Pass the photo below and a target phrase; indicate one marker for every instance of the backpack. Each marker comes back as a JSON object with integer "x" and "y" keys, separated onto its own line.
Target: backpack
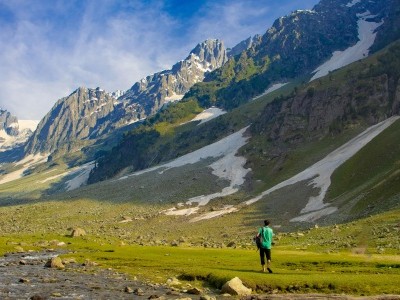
{"x": 258, "y": 239}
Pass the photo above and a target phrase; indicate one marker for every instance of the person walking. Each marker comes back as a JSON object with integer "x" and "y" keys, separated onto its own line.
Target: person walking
{"x": 266, "y": 234}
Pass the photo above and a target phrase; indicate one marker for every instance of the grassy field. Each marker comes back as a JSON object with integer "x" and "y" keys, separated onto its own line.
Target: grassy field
{"x": 295, "y": 271}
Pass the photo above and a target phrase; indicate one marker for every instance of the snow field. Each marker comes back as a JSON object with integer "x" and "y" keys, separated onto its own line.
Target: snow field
{"x": 366, "y": 36}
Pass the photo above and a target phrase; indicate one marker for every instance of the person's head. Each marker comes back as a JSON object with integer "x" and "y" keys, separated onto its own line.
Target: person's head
{"x": 266, "y": 222}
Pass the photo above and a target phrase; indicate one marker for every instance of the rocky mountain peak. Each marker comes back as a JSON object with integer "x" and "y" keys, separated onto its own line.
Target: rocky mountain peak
{"x": 211, "y": 51}
{"x": 8, "y": 123}
{"x": 84, "y": 114}
{"x": 149, "y": 94}
{"x": 244, "y": 45}
{"x": 12, "y": 134}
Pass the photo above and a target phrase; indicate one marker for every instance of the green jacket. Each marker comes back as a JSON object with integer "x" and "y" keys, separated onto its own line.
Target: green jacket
{"x": 266, "y": 234}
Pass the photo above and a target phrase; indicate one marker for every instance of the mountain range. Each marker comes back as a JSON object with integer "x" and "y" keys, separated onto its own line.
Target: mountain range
{"x": 283, "y": 102}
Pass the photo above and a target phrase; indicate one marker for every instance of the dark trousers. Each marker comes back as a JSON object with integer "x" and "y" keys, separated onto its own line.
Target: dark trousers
{"x": 265, "y": 253}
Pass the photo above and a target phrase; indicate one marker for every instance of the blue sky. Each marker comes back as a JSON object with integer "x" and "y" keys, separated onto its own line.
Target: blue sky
{"x": 48, "y": 48}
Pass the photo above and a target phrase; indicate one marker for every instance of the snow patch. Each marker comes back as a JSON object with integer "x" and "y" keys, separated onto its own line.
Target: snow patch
{"x": 26, "y": 163}
{"x": 213, "y": 214}
{"x": 81, "y": 177}
{"x": 352, "y": 3}
{"x": 54, "y": 177}
{"x": 173, "y": 98}
{"x": 228, "y": 166}
{"x": 366, "y": 36}
{"x": 28, "y": 124}
{"x": 321, "y": 172}
{"x": 208, "y": 114}
{"x": 274, "y": 87}
{"x": 182, "y": 212}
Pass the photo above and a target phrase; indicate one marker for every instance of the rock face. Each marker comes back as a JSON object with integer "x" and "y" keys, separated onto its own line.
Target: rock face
{"x": 152, "y": 92}
{"x": 90, "y": 113}
{"x": 235, "y": 287}
{"x": 84, "y": 114}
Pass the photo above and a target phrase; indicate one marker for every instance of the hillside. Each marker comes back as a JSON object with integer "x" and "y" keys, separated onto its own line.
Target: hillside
{"x": 296, "y": 45}
{"x": 306, "y": 113}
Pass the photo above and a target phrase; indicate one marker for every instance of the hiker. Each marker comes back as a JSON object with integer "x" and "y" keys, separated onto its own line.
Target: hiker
{"x": 266, "y": 234}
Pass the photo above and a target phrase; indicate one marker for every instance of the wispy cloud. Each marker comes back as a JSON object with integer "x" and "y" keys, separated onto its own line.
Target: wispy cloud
{"x": 49, "y": 48}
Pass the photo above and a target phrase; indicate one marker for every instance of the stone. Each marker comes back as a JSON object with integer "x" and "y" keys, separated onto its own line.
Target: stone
{"x": 19, "y": 249}
{"x": 37, "y": 297}
{"x": 76, "y": 232}
{"x": 173, "y": 281}
{"x": 55, "y": 263}
{"x": 128, "y": 290}
{"x": 56, "y": 294}
{"x": 194, "y": 291}
{"x": 231, "y": 245}
{"x": 207, "y": 297}
{"x": 89, "y": 263}
{"x": 235, "y": 287}
{"x": 138, "y": 292}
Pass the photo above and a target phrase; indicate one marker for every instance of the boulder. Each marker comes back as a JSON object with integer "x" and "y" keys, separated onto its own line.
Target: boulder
{"x": 235, "y": 287}
{"x": 173, "y": 282}
{"x": 128, "y": 290}
{"x": 55, "y": 262}
{"x": 78, "y": 232}
{"x": 19, "y": 249}
{"x": 207, "y": 297}
{"x": 138, "y": 292}
{"x": 194, "y": 291}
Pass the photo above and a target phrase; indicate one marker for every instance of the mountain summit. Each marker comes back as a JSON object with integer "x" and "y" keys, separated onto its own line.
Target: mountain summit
{"x": 152, "y": 92}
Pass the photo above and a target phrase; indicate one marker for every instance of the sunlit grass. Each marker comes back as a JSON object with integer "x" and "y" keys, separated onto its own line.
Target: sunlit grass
{"x": 294, "y": 271}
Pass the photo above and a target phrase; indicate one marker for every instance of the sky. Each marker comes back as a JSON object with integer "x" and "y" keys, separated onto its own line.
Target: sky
{"x": 49, "y": 48}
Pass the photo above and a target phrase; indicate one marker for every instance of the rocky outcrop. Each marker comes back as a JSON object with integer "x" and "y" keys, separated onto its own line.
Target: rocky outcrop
{"x": 152, "y": 92}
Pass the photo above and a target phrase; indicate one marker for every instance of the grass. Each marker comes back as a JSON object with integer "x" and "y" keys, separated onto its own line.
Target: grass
{"x": 373, "y": 172}
{"x": 294, "y": 270}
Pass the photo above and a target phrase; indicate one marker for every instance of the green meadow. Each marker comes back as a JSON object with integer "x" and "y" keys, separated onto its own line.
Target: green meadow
{"x": 295, "y": 271}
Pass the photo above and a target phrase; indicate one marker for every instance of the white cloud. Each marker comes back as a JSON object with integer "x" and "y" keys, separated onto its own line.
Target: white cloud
{"x": 112, "y": 53}
{"x": 50, "y": 48}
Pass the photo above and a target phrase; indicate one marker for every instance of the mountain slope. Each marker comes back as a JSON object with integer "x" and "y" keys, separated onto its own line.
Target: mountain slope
{"x": 88, "y": 114}
{"x": 294, "y": 46}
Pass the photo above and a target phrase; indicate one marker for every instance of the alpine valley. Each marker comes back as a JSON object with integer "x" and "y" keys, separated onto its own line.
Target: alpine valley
{"x": 299, "y": 125}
